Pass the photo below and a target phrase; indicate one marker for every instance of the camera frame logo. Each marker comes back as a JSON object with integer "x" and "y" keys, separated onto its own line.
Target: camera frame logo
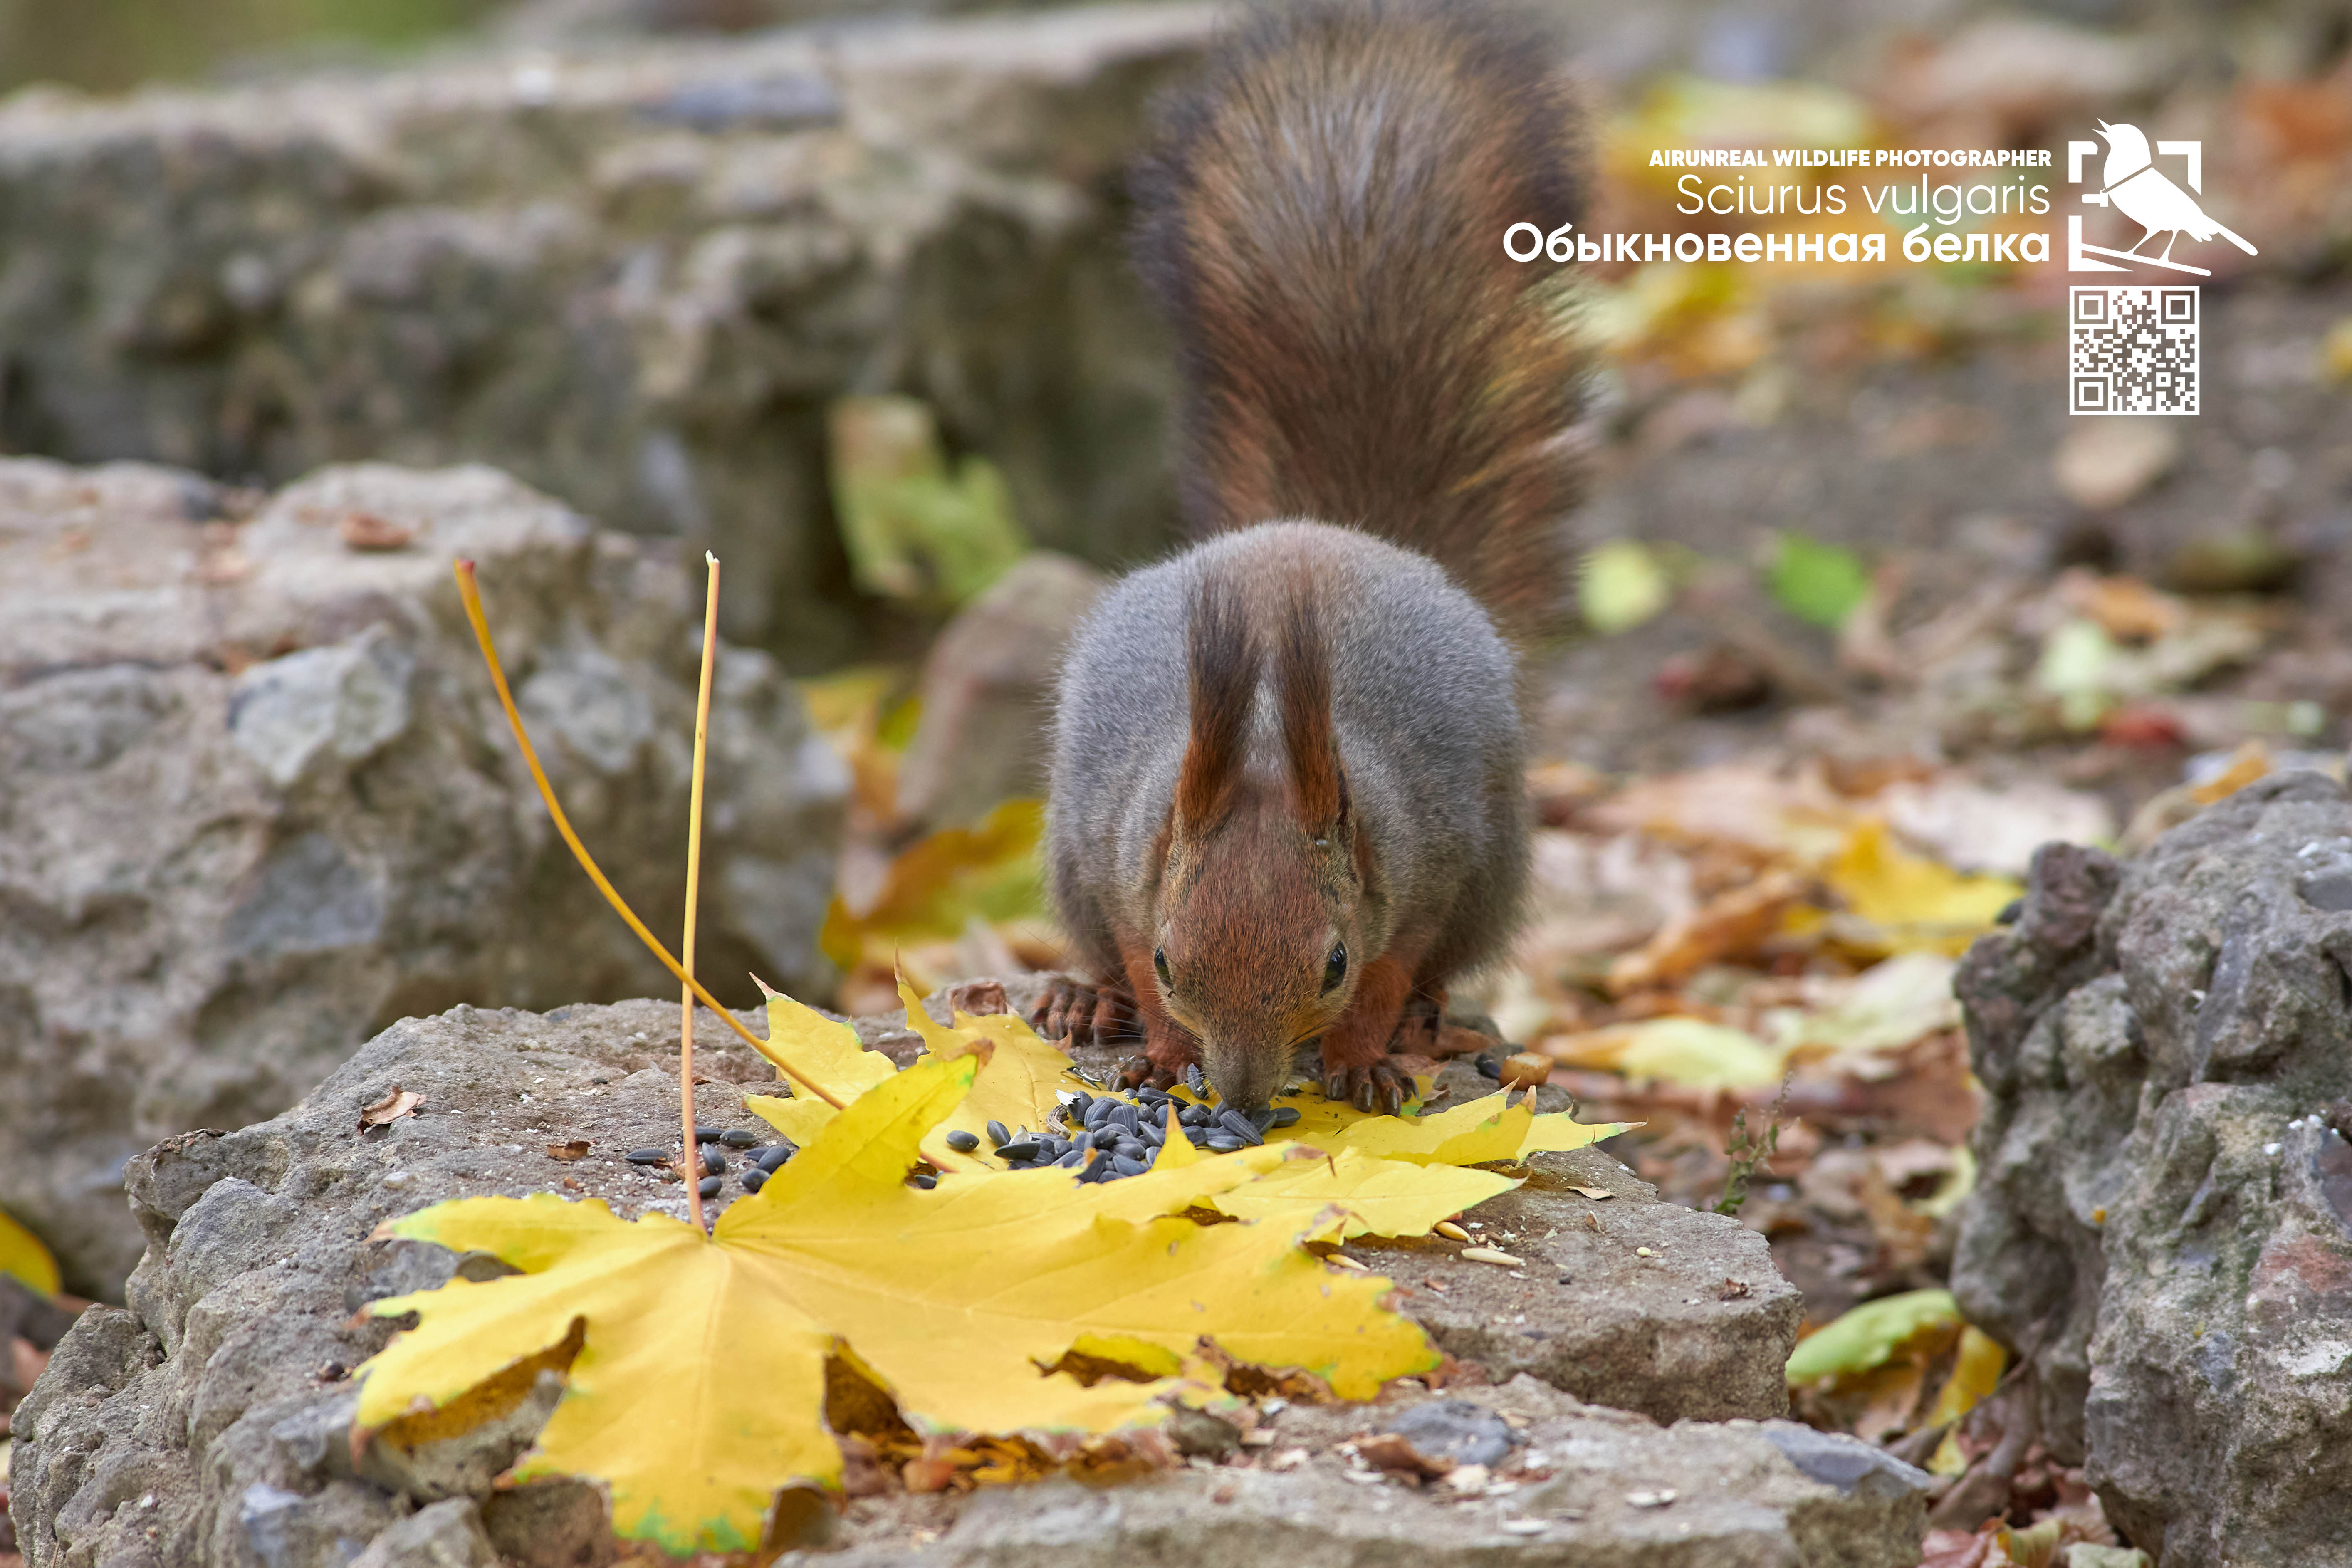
{"x": 2134, "y": 348}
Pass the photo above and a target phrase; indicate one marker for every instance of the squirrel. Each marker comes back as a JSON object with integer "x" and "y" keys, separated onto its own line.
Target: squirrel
{"x": 1286, "y": 801}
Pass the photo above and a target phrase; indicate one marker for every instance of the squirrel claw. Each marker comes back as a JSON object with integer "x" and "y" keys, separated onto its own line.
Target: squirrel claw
{"x": 1142, "y": 1072}
{"x": 1376, "y": 1086}
{"x": 1084, "y": 1014}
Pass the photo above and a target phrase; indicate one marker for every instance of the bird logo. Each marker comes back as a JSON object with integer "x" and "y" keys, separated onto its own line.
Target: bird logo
{"x": 2133, "y": 185}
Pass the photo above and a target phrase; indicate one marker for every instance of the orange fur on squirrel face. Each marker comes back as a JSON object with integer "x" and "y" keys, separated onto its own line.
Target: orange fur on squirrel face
{"x": 1253, "y": 909}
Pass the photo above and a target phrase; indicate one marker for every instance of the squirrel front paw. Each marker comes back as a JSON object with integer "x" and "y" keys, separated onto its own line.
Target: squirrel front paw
{"x": 1142, "y": 1072}
{"x": 1377, "y": 1086}
{"x": 1084, "y": 1014}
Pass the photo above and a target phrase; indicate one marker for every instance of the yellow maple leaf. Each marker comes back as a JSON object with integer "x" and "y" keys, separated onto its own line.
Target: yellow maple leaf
{"x": 1907, "y": 902}
{"x": 1475, "y": 1132}
{"x": 1017, "y": 1083}
{"x": 697, "y": 1392}
{"x": 1333, "y": 1197}
{"x": 24, "y": 1258}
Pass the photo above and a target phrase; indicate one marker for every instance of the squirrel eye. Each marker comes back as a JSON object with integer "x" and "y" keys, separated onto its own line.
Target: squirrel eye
{"x": 1160, "y": 966}
{"x": 1334, "y": 968}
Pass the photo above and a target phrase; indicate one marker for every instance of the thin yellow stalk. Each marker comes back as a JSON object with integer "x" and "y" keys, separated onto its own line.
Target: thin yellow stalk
{"x": 693, "y": 887}
{"x": 472, "y": 596}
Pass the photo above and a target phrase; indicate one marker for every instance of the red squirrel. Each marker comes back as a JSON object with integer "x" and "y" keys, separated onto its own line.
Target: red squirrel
{"x": 1286, "y": 800}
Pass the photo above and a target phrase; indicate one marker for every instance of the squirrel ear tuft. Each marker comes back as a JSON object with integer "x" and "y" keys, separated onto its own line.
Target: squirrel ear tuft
{"x": 1223, "y": 669}
{"x": 1318, "y": 780}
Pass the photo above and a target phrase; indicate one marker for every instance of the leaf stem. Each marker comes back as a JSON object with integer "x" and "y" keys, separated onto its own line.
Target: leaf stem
{"x": 693, "y": 1172}
{"x": 472, "y": 596}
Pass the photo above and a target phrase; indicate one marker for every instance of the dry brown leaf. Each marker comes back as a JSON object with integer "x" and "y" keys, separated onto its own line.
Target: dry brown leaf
{"x": 394, "y": 1105}
{"x": 1393, "y": 1451}
{"x": 1731, "y": 925}
{"x": 577, "y": 1148}
{"x": 2250, "y": 761}
{"x": 2126, "y": 607}
{"x": 364, "y": 531}
{"x": 1597, "y": 1194}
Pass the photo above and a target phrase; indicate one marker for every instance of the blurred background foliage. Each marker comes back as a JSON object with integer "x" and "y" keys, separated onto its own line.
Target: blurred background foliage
{"x": 105, "y": 46}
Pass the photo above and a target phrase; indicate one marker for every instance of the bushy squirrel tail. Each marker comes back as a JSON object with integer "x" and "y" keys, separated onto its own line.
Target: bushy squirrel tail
{"x": 1324, "y": 219}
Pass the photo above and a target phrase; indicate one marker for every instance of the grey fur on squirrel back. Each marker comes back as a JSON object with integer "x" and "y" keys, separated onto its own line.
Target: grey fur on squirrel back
{"x": 1423, "y": 706}
{"x": 1323, "y": 220}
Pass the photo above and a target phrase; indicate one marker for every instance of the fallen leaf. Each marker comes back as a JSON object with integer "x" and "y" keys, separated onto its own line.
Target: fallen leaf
{"x": 1395, "y": 1451}
{"x": 1598, "y": 1194}
{"x": 1622, "y": 585}
{"x": 1905, "y": 902}
{"x": 935, "y": 887}
{"x": 2250, "y": 761}
{"x": 700, "y": 1392}
{"x": 365, "y": 531}
{"x": 1887, "y": 1008}
{"x": 916, "y": 529}
{"x": 1354, "y": 1194}
{"x": 22, "y": 1256}
{"x": 1679, "y": 1049}
{"x": 1817, "y": 583}
{"x": 398, "y": 1102}
{"x": 577, "y": 1148}
{"x": 2102, "y": 463}
{"x": 1976, "y": 1372}
{"x": 1871, "y": 1334}
{"x": 2124, "y": 607}
{"x": 1731, "y": 926}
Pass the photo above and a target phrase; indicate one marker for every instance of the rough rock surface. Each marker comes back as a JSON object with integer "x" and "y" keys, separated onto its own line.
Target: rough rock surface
{"x": 257, "y": 800}
{"x": 207, "y": 1423}
{"x": 2164, "y": 1222}
{"x": 631, "y": 274}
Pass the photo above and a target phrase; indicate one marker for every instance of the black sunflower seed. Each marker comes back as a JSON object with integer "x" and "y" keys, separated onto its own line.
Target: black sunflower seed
{"x": 1488, "y": 1066}
{"x": 1285, "y": 1116}
{"x": 963, "y": 1142}
{"x": 711, "y": 1185}
{"x": 1240, "y": 1126}
{"x": 736, "y": 1138}
{"x": 924, "y": 1181}
{"x": 650, "y": 1156}
{"x": 997, "y": 1135}
{"x": 1126, "y": 1167}
{"x": 714, "y": 1160}
{"x": 1020, "y": 1148}
{"x": 708, "y": 1134}
{"x": 754, "y": 1179}
{"x": 772, "y": 1160}
{"x": 1222, "y": 1142}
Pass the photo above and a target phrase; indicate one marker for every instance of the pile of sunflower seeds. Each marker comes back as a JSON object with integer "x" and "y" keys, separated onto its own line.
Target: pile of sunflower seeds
{"x": 716, "y": 1147}
{"x": 1106, "y": 1136}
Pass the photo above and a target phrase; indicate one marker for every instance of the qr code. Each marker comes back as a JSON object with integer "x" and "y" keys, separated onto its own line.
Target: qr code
{"x": 2132, "y": 350}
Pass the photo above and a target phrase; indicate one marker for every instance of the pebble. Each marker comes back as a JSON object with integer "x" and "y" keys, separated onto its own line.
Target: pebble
{"x": 964, "y": 1142}
{"x": 754, "y": 1179}
{"x": 649, "y": 1156}
{"x": 709, "y": 1185}
{"x": 736, "y": 1138}
{"x": 1525, "y": 1526}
